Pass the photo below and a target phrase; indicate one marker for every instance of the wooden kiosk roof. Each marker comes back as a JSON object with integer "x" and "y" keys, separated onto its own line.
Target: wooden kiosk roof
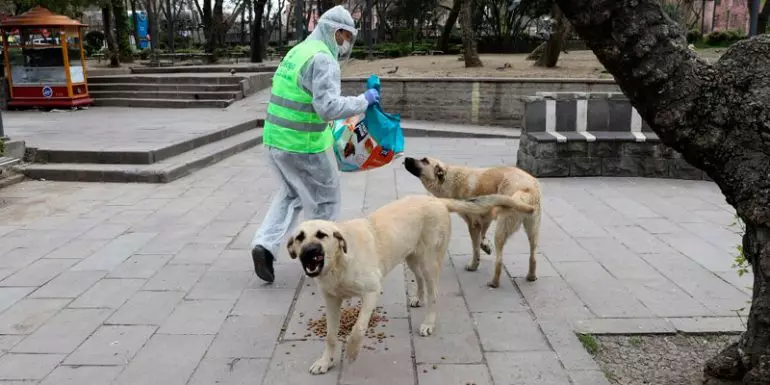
{"x": 40, "y": 17}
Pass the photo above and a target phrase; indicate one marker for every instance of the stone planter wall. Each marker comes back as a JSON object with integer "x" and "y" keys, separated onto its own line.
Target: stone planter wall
{"x": 483, "y": 101}
{"x": 598, "y": 134}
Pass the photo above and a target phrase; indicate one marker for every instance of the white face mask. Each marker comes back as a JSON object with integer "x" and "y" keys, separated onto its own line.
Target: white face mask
{"x": 344, "y": 49}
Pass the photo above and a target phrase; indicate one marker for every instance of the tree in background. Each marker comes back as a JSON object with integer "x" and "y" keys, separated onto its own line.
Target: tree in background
{"x": 112, "y": 47}
{"x": 716, "y": 116}
{"x": 122, "y": 31}
{"x": 257, "y": 32}
{"x": 470, "y": 53}
{"x": 551, "y": 49}
{"x": 449, "y": 25}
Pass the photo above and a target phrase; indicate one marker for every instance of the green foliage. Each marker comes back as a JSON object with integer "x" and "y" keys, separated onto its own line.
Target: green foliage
{"x": 635, "y": 341}
{"x": 693, "y": 36}
{"x": 93, "y": 42}
{"x": 589, "y": 343}
{"x": 741, "y": 264}
{"x": 723, "y": 38}
{"x": 674, "y": 10}
{"x": 71, "y": 8}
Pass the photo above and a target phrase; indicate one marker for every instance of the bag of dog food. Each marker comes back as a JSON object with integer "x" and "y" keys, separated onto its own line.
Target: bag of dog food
{"x": 369, "y": 140}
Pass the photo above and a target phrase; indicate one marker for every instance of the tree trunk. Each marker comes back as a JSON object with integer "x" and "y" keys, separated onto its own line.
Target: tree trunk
{"x": 280, "y": 21}
{"x": 715, "y": 116}
{"x": 555, "y": 43}
{"x": 763, "y": 18}
{"x": 207, "y": 21}
{"x": 469, "y": 38}
{"x": 122, "y": 31}
{"x": 135, "y": 31}
{"x": 537, "y": 53}
{"x": 112, "y": 47}
{"x": 256, "y": 31}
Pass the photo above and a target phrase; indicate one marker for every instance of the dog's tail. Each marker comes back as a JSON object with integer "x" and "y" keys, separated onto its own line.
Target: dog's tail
{"x": 485, "y": 203}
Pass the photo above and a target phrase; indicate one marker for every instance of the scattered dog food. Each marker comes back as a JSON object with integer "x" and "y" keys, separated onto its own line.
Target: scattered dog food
{"x": 348, "y": 318}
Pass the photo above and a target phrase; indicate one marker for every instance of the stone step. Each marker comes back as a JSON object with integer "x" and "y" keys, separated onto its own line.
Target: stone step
{"x": 166, "y": 79}
{"x": 176, "y": 95}
{"x": 421, "y": 128}
{"x": 44, "y": 155}
{"x": 239, "y": 68}
{"x": 164, "y": 87}
{"x": 163, "y": 103}
{"x": 8, "y": 161}
{"x": 162, "y": 172}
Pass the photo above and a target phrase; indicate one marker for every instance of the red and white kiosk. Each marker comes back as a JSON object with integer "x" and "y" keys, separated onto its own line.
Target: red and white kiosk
{"x": 44, "y": 60}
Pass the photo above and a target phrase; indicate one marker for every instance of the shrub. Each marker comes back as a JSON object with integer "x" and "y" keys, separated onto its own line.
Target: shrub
{"x": 693, "y": 35}
{"x": 723, "y": 38}
{"x": 93, "y": 42}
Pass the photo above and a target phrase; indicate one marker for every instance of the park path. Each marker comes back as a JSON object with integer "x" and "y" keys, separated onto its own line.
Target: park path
{"x": 153, "y": 284}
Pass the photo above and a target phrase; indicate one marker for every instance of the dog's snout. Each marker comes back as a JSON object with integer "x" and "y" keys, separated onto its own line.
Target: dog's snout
{"x": 411, "y": 165}
{"x": 312, "y": 249}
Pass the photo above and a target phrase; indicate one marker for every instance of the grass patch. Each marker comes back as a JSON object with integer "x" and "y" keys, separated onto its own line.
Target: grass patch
{"x": 635, "y": 340}
{"x": 589, "y": 343}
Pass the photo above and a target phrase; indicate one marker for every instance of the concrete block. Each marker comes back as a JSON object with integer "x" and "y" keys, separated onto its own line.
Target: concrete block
{"x": 247, "y": 337}
{"x": 383, "y": 363}
{"x": 28, "y": 366}
{"x": 111, "y": 345}
{"x": 566, "y": 115}
{"x": 619, "y": 115}
{"x": 38, "y": 273}
{"x": 534, "y": 116}
{"x": 708, "y": 324}
{"x": 588, "y": 377}
{"x": 28, "y": 314}
{"x": 108, "y": 293}
{"x": 497, "y": 334}
{"x": 197, "y": 317}
{"x": 453, "y": 374}
{"x": 552, "y": 299}
{"x": 64, "y": 332}
{"x": 165, "y": 360}
{"x": 598, "y": 115}
{"x": 69, "y": 284}
{"x": 115, "y": 252}
{"x": 454, "y": 340}
{"x": 146, "y": 308}
{"x": 292, "y": 360}
{"x": 474, "y": 285}
{"x": 585, "y": 167}
{"x": 624, "y": 326}
{"x": 79, "y": 375}
{"x": 221, "y": 285}
{"x": 546, "y": 168}
{"x": 180, "y": 278}
{"x": 229, "y": 371}
{"x": 531, "y": 368}
{"x": 14, "y": 149}
{"x": 680, "y": 169}
{"x": 140, "y": 266}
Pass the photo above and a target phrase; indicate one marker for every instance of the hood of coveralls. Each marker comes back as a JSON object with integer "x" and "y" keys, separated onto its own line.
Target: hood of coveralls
{"x": 329, "y": 23}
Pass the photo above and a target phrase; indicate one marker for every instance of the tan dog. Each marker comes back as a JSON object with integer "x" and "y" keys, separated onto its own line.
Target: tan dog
{"x": 351, "y": 258}
{"x": 458, "y": 182}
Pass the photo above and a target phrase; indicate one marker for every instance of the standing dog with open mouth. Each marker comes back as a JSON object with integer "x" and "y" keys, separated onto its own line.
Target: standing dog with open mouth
{"x": 458, "y": 182}
{"x": 351, "y": 258}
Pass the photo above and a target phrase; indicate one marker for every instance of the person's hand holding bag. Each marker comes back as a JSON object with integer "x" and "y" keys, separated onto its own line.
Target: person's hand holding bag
{"x": 372, "y": 96}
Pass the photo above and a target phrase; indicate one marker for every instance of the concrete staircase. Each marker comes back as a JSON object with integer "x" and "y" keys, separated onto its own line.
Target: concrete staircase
{"x": 179, "y": 87}
{"x": 160, "y": 165}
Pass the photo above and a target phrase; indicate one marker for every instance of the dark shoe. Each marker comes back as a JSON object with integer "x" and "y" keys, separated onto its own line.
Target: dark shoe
{"x": 263, "y": 263}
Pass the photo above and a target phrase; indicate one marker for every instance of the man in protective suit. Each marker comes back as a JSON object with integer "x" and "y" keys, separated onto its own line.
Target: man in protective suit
{"x": 305, "y": 97}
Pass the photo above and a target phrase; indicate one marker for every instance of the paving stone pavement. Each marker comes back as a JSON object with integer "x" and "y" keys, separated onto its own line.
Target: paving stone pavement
{"x": 152, "y": 284}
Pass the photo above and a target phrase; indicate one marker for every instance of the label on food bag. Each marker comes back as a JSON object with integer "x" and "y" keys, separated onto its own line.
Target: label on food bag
{"x": 354, "y": 147}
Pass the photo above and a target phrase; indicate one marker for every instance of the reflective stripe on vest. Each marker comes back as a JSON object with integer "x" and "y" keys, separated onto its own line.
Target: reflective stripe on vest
{"x": 292, "y": 123}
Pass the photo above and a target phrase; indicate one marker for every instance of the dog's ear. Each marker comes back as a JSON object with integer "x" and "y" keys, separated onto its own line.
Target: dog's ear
{"x": 343, "y": 244}
{"x": 292, "y": 254}
{"x": 439, "y": 172}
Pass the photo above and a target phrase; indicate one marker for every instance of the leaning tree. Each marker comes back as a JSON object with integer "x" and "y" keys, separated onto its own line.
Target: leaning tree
{"x": 716, "y": 115}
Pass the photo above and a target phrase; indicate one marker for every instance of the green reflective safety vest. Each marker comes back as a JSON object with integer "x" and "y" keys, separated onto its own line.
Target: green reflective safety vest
{"x": 292, "y": 123}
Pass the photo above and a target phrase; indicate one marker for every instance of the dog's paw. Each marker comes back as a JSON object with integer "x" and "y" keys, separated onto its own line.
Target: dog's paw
{"x": 322, "y": 365}
{"x": 353, "y": 347}
{"x": 531, "y": 277}
{"x": 471, "y": 266}
{"x": 426, "y": 330}
{"x": 414, "y": 302}
{"x": 486, "y": 246}
{"x": 493, "y": 284}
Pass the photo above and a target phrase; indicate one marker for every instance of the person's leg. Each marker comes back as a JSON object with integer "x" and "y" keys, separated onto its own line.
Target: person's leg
{"x": 279, "y": 220}
{"x": 316, "y": 180}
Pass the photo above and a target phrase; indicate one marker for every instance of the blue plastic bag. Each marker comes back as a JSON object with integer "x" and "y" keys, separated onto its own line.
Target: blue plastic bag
{"x": 369, "y": 140}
